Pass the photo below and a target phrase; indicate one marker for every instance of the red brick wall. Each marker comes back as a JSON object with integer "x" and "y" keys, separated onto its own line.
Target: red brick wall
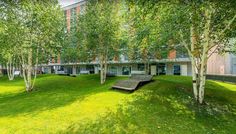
{"x": 68, "y": 14}
{"x": 78, "y": 9}
{"x": 59, "y": 58}
{"x": 172, "y": 54}
{"x": 68, "y": 19}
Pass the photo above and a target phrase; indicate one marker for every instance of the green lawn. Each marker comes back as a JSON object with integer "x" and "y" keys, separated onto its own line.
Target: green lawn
{"x": 63, "y": 104}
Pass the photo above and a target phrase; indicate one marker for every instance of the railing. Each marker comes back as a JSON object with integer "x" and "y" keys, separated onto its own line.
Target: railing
{"x": 224, "y": 78}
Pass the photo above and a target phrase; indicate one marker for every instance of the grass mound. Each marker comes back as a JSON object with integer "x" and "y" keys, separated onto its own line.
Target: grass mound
{"x": 62, "y": 104}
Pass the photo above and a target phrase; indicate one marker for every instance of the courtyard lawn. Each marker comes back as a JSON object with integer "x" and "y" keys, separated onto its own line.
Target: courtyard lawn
{"x": 62, "y": 104}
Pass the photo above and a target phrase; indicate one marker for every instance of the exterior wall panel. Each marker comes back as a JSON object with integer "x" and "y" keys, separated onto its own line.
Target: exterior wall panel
{"x": 218, "y": 64}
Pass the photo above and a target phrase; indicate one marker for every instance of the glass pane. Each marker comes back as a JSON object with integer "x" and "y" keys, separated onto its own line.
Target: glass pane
{"x": 113, "y": 70}
{"x": 141, "y": 67}
{"x": 126, "y": 70}
{"x": 161, "y": 69}
{"x": 177, "y": 70}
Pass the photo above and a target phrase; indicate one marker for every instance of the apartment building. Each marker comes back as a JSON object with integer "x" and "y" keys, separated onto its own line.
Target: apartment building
{"x": 173, "y": 64}
{"x": 176, "y": 63}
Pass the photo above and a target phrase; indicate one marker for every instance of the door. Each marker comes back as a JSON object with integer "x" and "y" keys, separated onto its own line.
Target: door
{"x": 153, "y": 70}
{"x": 184, "y": 70}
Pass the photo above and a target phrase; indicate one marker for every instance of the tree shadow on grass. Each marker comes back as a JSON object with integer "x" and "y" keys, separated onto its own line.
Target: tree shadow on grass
{"x": 219, "y": 109}
{"x": 50, "y": 93}
{"x": 218, "y": 112}
{"x": 165, "y": 107}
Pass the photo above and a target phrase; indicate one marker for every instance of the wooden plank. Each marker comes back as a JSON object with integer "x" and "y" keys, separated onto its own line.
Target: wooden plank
{"x": 126, "y": 84}
{"x": 133, "y": 82}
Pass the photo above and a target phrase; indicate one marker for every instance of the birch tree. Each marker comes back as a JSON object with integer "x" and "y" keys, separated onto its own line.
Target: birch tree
{"x": 40, "y": 24}
{"x": 143, "y": 31}
{"x": 10, "y": 38}
{"x": 44, "y": 22}
{"x": 97, "y": 29}
{"x": 203, "y": 28}
{"x": 210, "y": 31}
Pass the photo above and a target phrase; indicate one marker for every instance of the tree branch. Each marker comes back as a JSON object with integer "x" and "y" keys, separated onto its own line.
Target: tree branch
{"x": 228, "y": 26}
{"x": 184, "y": 43}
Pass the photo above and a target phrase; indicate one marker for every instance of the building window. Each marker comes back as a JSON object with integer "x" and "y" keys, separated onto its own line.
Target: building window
{"x": 68, "y": 70}
{"x": 126, "y": 70}
{"x": 113, "y": 70}
{"x": 161, "y": 69}
{"x": 61, "y": 68}
{"x": 141, "y": 67}
{"x": 82, "y": 8}
{"x": 90, "y": 68}
{"x": 124, "y": 57}
{"x": 73, "y": 19}
{"x": 177, "y": 70}
{"x": 73, "y": 12}
{"x": 77, "y": 70}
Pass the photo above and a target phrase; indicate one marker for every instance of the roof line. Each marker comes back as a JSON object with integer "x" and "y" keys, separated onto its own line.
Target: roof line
{"x": 74, "y": 4}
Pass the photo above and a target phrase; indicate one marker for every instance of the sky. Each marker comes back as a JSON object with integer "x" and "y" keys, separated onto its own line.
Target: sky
{"x": 64, "y": 3}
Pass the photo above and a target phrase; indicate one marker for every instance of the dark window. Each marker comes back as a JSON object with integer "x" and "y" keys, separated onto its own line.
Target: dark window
{"x": 177, "y": 70}
{"x": 126, "y": 70}
{"x": 61, "y": 68}
{"x": 161, "y": 69}
{"x": 90, "y": 68}
{"x": 69, "y": 70}
{"x": 141, "y": 67}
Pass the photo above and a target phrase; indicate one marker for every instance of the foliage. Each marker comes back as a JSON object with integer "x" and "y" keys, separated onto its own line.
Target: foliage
{"x": 144, "y": 31}
{"x": 202, "y": 27}
{"x": 97, "y": 33}
{"x": 33, "y": 32}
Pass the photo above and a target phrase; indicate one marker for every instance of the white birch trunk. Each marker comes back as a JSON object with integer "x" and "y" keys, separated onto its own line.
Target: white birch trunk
{"x": 35, "y": 69}
{"x": 194, "y": 79}
{"x": 202, "y": 75}
{"x": 145, "y": 67}
{"x": 193, "y": 62}
{"x": 10, "y": 69}
{"x": 105, "y": 69}
{"x": 102, "y": 69}
{"x": 29, "y": 71}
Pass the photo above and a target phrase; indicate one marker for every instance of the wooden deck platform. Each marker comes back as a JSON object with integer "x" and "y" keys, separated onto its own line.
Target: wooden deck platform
{"x": 132, "y": 83}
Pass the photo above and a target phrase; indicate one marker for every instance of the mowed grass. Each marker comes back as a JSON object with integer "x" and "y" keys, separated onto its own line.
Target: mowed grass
{"x": 62, "y": 104}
